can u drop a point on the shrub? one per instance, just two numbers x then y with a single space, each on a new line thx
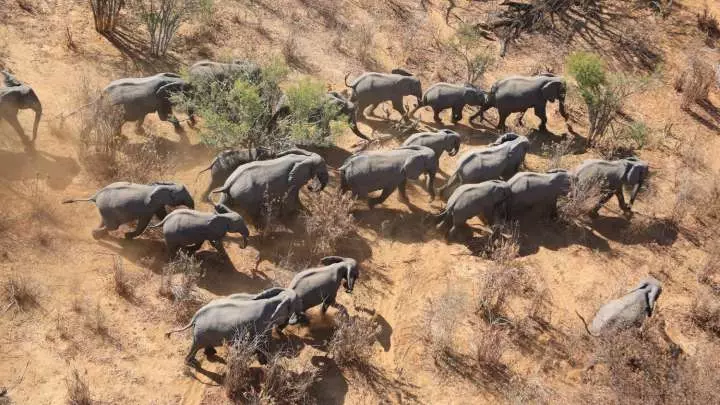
239 378
106 13
581 200
96 321
329 220
20 292
311 120
695 82
351 343
465 45
441 317
123 284
162 19
708 24
488 346
495 286
178 283
78 389
555 152
705 314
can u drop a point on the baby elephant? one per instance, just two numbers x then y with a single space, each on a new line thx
611 176
185 228
444 140
122 202
442 96
538 191
319 285
627 311
223 319
227 161
487 200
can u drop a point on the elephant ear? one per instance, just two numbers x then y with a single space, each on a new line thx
328 260
413 166
635 173
161 195
165 91
552 90
301 172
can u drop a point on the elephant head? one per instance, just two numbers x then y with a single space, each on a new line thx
172 194
166 89
555 89
234 222
312 166
348 272
652 288
635 173
421 161
561 180
452 142
474 96
346 108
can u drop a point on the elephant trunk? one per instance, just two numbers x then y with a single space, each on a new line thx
635 191
431 182
561 104
455 149
323 178
38 114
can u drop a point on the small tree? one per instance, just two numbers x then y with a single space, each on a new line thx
477 60
162 19
106 13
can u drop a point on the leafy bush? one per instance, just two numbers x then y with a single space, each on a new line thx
311 120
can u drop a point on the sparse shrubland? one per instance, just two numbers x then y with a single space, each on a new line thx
329 221
106 14
162 19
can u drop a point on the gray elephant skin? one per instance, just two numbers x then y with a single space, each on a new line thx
249 186
319 285
627 311
224 72
17 96
501 159
515 94
372 88
488 200
186 228
341 105
223 319
227 161
538 191
442 96
145 95
365 172
122 202
612 176
444 140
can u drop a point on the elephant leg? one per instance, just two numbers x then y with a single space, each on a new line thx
379 200
621 200
480 114
402 191
190 359
457 112
540 113
503 118
397 104
100 231
13 121
436 115
209 351
605 198
327 303
141 225
454 231
218 245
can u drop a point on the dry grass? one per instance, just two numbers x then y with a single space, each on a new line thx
708 24
179 284
4 47
70 44
695 81
705 313
359 42
329 221
496 285
78 389
123 284
293 56
20 292
489 347
441 317
239 377
351 343
503 244
709 273
96 320
580 201
555 152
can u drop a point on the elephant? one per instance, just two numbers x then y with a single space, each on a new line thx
372 88
189 228
626 311
515 94
144 95
501 159
122 202
341 106
224 72
441 96
254 184
444 140
612 176
18 96
319 285
227 161
532 190
487 200
223 319
365 172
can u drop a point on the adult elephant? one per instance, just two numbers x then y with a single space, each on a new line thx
252 186
488 201
610 177
227 161
141 96
501 159
538 191
516 94
442 96
372 88
444 140
366 172
16 96
332 102
240 316
122 202
224 72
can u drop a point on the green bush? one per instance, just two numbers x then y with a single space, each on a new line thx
588 70
311 120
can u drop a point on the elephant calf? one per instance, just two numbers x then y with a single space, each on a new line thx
487 200
122 202
190 228
501 159
444 140
626 311
17 96
611 176
442 96
227 161
319 285
538 190
371 89
366 172
225 319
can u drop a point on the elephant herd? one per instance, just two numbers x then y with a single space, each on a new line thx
486 183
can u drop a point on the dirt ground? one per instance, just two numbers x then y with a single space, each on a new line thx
407 268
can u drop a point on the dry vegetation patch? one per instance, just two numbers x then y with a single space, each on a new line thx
78 389
20 292
179 284
329 221
695 81
352 341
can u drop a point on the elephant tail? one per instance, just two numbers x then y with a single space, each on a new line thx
77 110
186 327
74 200
159 224
207 168
346 82
585 324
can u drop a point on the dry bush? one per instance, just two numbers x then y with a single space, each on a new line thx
695 81
496 285
583 197
20 292
329 221
291 53
489 346
78 389
96 321
123 284
351 343
709 273
440 320
239 377
105 14
503 244
179 282
705 313
708 25
555 152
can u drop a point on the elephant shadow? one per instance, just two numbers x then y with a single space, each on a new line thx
58 171
333 155
639 230
385 334
394 224
555 235
332 386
